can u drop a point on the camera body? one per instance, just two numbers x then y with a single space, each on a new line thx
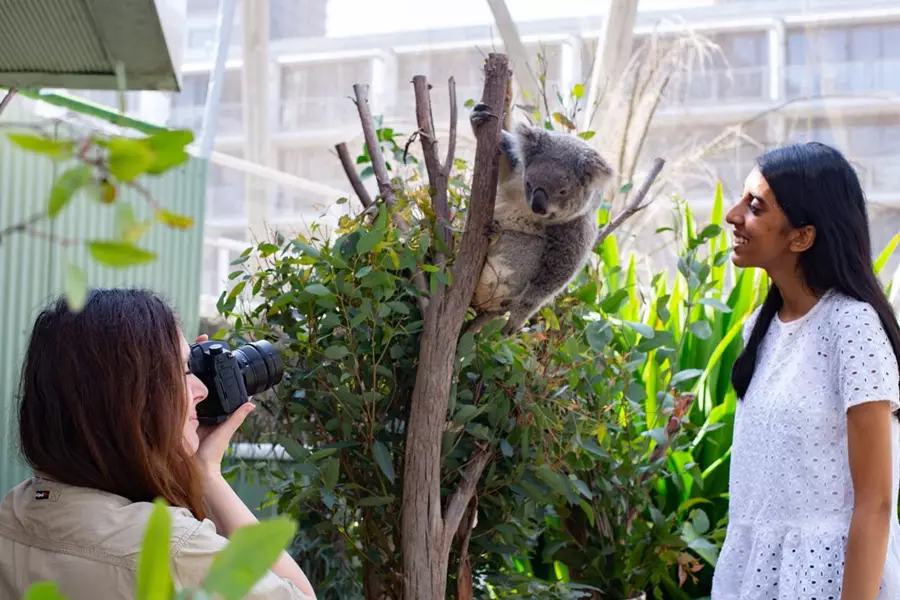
232 376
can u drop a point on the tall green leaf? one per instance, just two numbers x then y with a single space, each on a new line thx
154 577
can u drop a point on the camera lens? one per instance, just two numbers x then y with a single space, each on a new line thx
261 366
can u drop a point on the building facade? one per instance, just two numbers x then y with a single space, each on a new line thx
783 71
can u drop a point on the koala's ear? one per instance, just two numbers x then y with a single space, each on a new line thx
529 138
592 168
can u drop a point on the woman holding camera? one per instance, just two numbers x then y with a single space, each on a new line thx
107 421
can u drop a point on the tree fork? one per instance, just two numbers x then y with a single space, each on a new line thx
426 533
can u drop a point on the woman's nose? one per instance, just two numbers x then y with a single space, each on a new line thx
734 215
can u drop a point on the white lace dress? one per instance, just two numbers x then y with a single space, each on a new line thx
791 495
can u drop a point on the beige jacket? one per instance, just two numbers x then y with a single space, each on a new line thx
88 542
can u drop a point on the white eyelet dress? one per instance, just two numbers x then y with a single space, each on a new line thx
791 495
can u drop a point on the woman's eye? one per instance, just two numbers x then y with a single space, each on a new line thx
754 209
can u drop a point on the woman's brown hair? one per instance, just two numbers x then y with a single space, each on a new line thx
103 399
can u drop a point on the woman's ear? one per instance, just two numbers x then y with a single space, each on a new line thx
803 238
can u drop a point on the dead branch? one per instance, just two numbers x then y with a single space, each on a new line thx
456 508
350 171
636 204
426 534
437 177
454 115
7 99
384 181
374 146
464 582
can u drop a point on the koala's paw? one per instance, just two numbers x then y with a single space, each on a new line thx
480 115
493 228
513 325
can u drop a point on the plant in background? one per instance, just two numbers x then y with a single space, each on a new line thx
101 165
249 554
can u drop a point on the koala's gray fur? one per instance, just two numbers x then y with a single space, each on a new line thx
545 220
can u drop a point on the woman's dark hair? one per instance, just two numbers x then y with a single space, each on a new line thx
103 399
815 185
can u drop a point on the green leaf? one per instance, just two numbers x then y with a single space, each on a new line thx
626 188
586 135
465 413
563 120
716 304
598 334
700 522
642 328
119 254
686 375
129 158
154 577
383 459
75 286
399 307
317 289
612 303
65 186
173 220
250 552
369 240
331 472
56 149
336 352
128 228
168 149
701 329
43 590
578 91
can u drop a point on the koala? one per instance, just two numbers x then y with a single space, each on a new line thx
545 220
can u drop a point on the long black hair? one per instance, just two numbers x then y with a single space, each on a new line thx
815 185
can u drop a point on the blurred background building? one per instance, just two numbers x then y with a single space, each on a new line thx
782 70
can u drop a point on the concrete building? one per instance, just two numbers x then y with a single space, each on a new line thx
788 70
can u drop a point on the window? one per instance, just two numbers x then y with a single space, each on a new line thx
297 19
464 64
854 59
187 106
317 95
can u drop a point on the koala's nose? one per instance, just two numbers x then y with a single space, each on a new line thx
539 201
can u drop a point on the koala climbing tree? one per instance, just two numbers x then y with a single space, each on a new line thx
430 523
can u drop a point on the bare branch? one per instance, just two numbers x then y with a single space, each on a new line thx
454 117
636 204
23 227
7 99
368 125
464 582
456 505
422 523
350 171
437 177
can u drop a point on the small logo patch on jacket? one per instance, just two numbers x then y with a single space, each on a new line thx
41 494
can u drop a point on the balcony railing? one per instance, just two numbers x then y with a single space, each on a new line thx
225 201
879 174
316 113
857 77
230 121
713 86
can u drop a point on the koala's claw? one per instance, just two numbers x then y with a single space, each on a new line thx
481 113
494 228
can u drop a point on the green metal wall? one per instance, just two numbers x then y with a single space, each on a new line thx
31 269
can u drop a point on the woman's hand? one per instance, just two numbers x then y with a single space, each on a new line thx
214 439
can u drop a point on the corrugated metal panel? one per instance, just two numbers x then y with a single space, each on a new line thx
75 44
31 269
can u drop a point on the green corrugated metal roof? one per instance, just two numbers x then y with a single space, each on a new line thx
76 44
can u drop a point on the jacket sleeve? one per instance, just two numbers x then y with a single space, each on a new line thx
193 555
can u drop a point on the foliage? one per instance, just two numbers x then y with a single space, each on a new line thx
250 552
589 419
99 166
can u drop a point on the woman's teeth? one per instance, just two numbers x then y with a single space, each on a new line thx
739 240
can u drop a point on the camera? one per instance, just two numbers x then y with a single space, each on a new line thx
232 376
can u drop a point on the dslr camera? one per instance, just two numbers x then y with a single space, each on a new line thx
232 376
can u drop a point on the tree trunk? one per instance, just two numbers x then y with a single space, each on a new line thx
426 532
